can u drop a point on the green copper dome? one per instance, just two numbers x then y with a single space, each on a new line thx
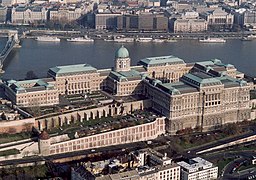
122 52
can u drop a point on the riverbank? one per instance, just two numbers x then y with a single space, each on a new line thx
165 35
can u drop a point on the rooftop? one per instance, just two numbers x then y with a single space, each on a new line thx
162 60
214 63
200 79
190 82
72 69
231 82
195 164
126 75
30 85
181 87
174 88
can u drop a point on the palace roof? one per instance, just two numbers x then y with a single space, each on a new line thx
30 85
72 69
126 75
162 60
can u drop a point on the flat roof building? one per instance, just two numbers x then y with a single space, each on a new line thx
198 168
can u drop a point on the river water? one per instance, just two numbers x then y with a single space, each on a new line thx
40 56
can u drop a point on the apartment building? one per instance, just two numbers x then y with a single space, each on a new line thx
218 17
28 15
105 19
65 13
3 14
188 22
142 22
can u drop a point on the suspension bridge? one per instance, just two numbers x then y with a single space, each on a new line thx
12 42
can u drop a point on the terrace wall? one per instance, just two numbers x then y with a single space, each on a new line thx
142 132
16 126
84 115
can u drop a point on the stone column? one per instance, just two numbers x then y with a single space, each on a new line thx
80 117
40 126
86 117
46 123
60 121
92 115
99 114
52 122
105 114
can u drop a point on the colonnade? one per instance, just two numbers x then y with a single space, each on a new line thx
89 114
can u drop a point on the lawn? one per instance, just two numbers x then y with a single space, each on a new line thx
222 163
72 128
5 138
31 172
9 152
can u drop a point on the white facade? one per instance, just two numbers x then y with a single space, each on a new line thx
198 169
65 1
189 25
27 15
65 14
13 2
3 13
167 172
219 17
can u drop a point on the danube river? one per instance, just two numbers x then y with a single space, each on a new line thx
40 56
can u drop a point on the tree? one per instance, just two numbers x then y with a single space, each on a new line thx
30 75
49 24
231 129
3 116
63 22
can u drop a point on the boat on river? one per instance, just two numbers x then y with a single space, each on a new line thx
212 40
48 39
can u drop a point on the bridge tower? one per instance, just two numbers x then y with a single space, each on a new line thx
14 34
13 42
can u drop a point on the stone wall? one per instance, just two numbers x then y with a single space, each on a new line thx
137 133
16 126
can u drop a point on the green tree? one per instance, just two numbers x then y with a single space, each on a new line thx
231 129
3 116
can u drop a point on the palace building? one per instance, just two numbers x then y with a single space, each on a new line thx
38 92
200 100
201 94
